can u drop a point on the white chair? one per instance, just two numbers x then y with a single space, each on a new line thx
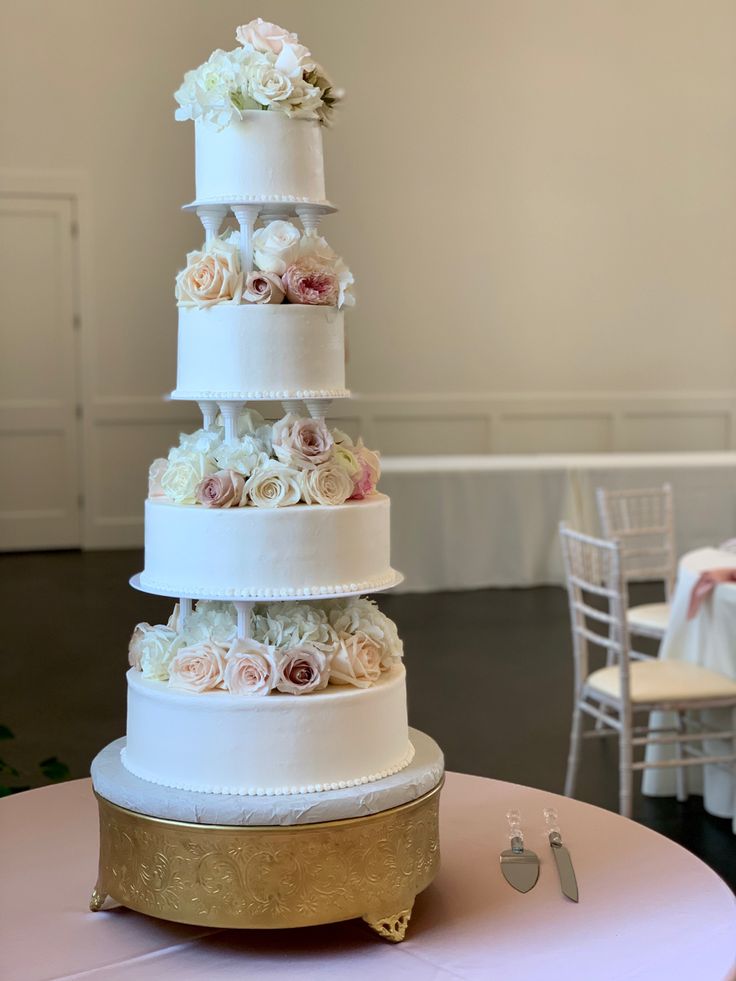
615 694
643 522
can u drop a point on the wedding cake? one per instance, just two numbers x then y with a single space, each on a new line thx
274 675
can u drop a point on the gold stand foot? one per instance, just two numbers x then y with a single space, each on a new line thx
392 927
97 900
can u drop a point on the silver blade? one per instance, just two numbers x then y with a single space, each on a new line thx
568 882
520 868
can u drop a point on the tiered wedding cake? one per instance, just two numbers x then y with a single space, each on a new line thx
273 676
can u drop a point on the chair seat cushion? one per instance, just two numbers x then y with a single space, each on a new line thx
650 616
663 681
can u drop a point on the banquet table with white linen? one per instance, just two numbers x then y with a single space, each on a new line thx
466 522
648 910
708 639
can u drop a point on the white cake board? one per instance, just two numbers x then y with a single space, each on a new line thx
112 781
234 595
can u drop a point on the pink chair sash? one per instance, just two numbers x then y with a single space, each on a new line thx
705 585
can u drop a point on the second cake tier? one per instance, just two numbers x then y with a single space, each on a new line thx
252 553
250 351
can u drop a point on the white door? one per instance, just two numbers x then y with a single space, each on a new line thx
39 425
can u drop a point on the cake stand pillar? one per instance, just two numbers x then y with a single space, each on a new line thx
317 408
292 405
211 217
209 413
230 414
185 611
247 215
310 218
244 611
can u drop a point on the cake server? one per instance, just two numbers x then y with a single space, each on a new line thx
568 882
520 866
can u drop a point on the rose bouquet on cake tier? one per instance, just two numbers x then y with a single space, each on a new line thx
294 648
294 460
290 266
270 70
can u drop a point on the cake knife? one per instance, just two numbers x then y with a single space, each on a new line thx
519 865
565 871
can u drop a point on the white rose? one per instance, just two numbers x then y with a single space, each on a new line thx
266 85
242 456
327 483
347 459
155 472
151 650
250 668
275 246
357 661
274 485
198 668
184 475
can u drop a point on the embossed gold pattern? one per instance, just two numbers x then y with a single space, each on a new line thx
269 877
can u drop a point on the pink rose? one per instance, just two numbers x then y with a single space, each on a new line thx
250 669
357 661
155 472
198 668
302 443
223 489
303 669
266 37
263 287
364 482
308 280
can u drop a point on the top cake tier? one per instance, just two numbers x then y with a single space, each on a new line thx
261 158
258 113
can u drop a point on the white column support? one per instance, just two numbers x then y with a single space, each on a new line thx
292 405
244 611
309 219
185 611
317 408
209 414
211 216
230 415
247 215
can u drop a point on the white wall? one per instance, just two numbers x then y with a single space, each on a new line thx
538 200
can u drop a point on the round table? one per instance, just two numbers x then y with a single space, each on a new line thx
707 640
648 909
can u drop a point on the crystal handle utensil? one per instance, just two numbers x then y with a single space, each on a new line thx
519 865
565 871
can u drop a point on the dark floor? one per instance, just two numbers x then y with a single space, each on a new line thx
490 677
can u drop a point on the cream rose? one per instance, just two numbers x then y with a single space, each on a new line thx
198 668
221 490
357 661
263 287
155 473
250 668
211 276
311 281
327 483
184 475
275 246
151 650
274 485
303 669
358 615
302 443
266 84
269 38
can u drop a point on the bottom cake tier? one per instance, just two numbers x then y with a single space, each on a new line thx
219 743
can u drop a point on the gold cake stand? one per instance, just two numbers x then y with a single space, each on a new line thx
270 877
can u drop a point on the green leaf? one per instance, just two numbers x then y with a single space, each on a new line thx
7 768
5 733
53 769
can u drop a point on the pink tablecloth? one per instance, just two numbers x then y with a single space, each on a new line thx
648 909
